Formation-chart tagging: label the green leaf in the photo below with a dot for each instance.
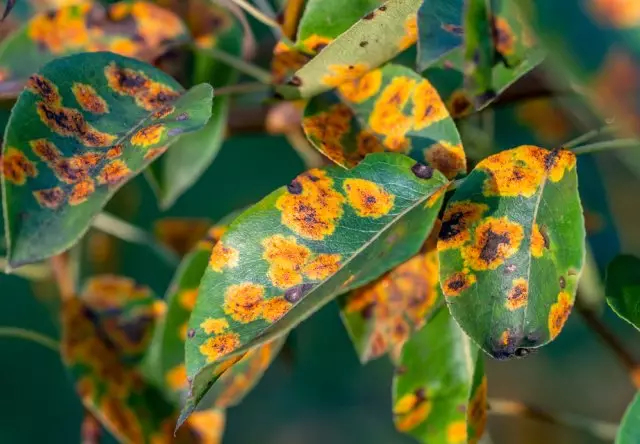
(105, 332)
(439, 388)
(138, 29)
(375, 39)
(327, 232)
(104, 118)
(478, 49)
(439, 29)
(623, 288)
(381, 316)
(629, 431)
(511, 249)
(330, 18)
(389, 109)
(176, 171)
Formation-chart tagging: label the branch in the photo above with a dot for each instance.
(603, 430)
(606, 146)
(30, 335)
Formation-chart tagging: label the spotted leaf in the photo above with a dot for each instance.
(629, 431)
(138, 29)
(439, 388)
(330, 18)
(182, 166)
(623, 288)
(511, 249)
(105, 332)
(478, 49)
(327, 232)
(439, 29)
(389, 109)
(376, 38)
(608, 69)
(85, 125)
(381, 316)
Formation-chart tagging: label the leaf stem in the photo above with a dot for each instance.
(605, 146)
(611, 340)
(110, 224)
(30, 335)
(257, 14)
(588, 136)
(601, 429)
(63, 276)
(261, 75)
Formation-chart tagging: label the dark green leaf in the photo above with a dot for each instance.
(439, 389)
(381, 316)
(629, 431)
(375, 39)
(623, 288)
(330, 18)
(327, 232)
(84, 126)
(478, 50)
(439, 29)
(138, 29)
(511, 249)
(388, 109)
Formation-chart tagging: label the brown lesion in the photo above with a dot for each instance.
(495, 239)
(457, 283)
(88, 98)
(51, 198)
(148, 94)
(518, 295)
(456, 223)
(81, 192)
(71, 123)
(411, 410)
(44, 88)
(16, 167)
(113, 173)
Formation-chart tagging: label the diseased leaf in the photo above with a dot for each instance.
(327, 232)
(389, 109)
(138, 29)
(478, 50)
(511, 249)
(623, 288)
(375, 39)
(84, 126)
(629, 431)
(330, 18)
(381, 316)
(105, 332)
(439, 388)
(176, 171)
(439, 29)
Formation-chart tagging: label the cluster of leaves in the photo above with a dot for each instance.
(436, 257)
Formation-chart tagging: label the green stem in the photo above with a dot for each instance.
(588, 136)
(263, 18)
(261, 75)
(605, 146)
(30, 335)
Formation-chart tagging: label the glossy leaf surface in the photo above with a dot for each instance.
(389, 109)
(478, 49)
(138, 29)
(623, 288)
(176, 171)
(381, 316)
(105, 333)
(84, 126)
(330, 18)
(439, 29)
(439, 389)
(629, 431)
(373, 40)
(327, 232)
(511, 249)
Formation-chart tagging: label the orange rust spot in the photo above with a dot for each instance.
(149, 135)
(164, 112)
(286, 60)
(559, 161)
(187, 298)
(71, 123)
(615, 13)
(477, 412)
(286, 259)
(447, 158)
(208, 425)
(456, 223)
(518, 295)
(46, 151)
(154, 153)
(427, 106)
(218, 346)
(243, 302)
(457, 432)
(148, 94)
(76, 168)
(44, 88)
(51, 198)
(411, 410)
(16, 167)
(367, 143)
(214, 326)
(81, 192)
(119, 416)
(495, 239)
(113, 173)
(459, 104)
(387, 117)
(88, 98)
(367, 198)
(223, 256)
(322, 266)
(339, 74)
(516, 172)
(455, 284)
(316, 43)
(313, 212)
(176, 378)
(503, 37)
(61, 30)
(274, 308)
(328, 128)
(435, 197)
(156, 25)
(115, 151)
(362, 88)
(559, 313)
(538, 242)
(410, 36)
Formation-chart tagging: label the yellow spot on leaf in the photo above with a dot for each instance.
(495, 239)
(88, 98)
(274, 308)
(154, 153)
(219, 346)
(286, 60)
(61, 30)
(455, 284)
(410, 32)
(113, 173)
(322, 266)
(411, 410)
(214, 326)
(504, 38)
(516, 172)
(243, 302)
(518, 295)
(176, 378)
(457, 219)
(387, 117)
(315, 43)
(447, 158)
(44, 88)
(367, 198)
(223, 256)
(115, 151)
(559, 313)
(150, 135)
(457, 432)
(340, 74)
(208, 425)
(557, 162)
(156, 25)
(328, 128)
(16, 167)
(362, 88)
(537, 241)
(459, 104)
(286, 259)
(427, 106)
(187, 298)
(81, 192)
(46, 151)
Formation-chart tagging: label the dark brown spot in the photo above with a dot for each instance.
(493, 241)
(451, 227)
(368, 310)
(563, 282)
(370, 200)
(382, 8)
(421, 395)
(191, 333)
(319, 47)
(363, 44)
(296, 293)
(295, 81)
(294, 187)
(457, 283)
(523, 352)
(422, 171)
(182, 117)
(370, 16)
(545, 236)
